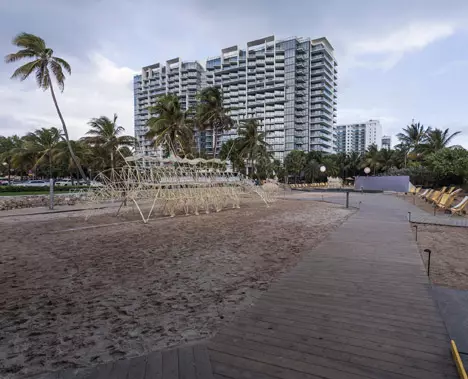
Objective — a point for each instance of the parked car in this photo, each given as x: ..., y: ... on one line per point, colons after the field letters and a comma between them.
x: 33, y: 183
x: 3, y: 182
x: 64, y: 182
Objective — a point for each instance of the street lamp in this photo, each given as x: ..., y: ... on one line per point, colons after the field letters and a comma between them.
x: 323, y: 169
x: 367, y: 171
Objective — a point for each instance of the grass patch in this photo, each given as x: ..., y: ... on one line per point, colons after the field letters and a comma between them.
x: 24, y: 193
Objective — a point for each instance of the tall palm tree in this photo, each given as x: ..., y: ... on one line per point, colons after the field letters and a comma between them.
x: 386, y: 159
x: 252, y: 145
x: 353, y: 162
x: 45, y: 67
x: 106, y: 133
x: 212, y: 115
x: 43, y: 143
x: 170, y: 126
x: 372, y: 158
x: 411, y: 137
x: 436, y: 139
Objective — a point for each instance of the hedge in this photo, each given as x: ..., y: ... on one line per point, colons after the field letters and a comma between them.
x: 40, y: 189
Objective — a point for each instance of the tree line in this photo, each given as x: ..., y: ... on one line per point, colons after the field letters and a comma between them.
x: 45, y: 151
x: 423, y: 153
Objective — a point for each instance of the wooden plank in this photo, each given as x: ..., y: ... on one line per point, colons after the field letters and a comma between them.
x: 309, y: 364
x: 100, y: 372
x: 369, y: 358
x: 120, y: 369
x: 224, y: 370
x: 186, y: 363
x: 154, y: 366
x: 202, y: 362
x: 343, y: 337
x: 170, y: 364
x: 137, y: 368
x: 326, y: 325
x: 233, y: 363
x: 347, y: 318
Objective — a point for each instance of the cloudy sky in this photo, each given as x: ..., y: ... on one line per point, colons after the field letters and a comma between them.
x: 398, y: 59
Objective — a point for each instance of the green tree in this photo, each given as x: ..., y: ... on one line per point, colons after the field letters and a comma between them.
x: 43, y: 144
x: 8, y: 147
x: 170, y: 126
x: 353, y: 163
x: 294, y: 163
x: 436, y: 139
x: 106, y: 134
x: 386, y: 159
x: 212, y: 115
x: 449, y: 163
x: 230, y: 150
x: 252, y: 145
x: 411, y: 137
x: 45, y: 67
x: 372, y: 158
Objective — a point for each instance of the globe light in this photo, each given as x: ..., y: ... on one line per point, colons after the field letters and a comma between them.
x: 367, y: 170
x: 323, y: 169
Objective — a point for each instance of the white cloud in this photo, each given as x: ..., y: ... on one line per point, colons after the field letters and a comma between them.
x: 96, y: 87
x: 385, y: 51
x: 451, y: 66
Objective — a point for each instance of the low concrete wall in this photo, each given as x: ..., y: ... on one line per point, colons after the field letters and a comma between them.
x: 33, y: 201
x: 382, y: 183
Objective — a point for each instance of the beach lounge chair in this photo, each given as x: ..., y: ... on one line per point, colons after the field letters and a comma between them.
x: 434, y: 196
x: 451, y: 189
x: 460, y: 207
x: 447, y: 199
x: 424, y: 193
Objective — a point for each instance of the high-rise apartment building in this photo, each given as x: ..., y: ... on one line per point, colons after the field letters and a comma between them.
x: 386, y: 142
x: 184, y: 79
x: 289, y: 86
x: 358, y: 137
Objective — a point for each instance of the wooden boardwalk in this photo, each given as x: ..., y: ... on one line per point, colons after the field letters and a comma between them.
x: 358, y: 306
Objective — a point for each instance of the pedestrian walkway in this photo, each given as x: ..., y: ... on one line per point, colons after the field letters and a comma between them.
x: 358, y: 306
x: 420, y: 216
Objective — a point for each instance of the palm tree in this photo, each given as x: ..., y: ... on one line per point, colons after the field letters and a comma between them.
x: 252, y: 145
x: 212, y: 115
x: 8, y: 148
x: 411, y: 137
x: 230, y: 150
x: 372, y: 158
x: 169, y: 127
x: 106, y: 133
x: 43, y: 143
x: 89, y: 156
x: 386, y: 159
x: 436, y: 139
x: 353, y: 162
x: 46, y: 67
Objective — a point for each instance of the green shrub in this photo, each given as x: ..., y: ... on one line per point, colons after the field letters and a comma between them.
x: 39, y: 189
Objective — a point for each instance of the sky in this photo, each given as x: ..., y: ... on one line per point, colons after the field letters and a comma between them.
x: 399, y: 60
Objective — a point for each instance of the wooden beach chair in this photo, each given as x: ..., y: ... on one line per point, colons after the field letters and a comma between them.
x: 449, y: 199
x: 434, y: 196
x: 460, y: 207
x: 424, y: 193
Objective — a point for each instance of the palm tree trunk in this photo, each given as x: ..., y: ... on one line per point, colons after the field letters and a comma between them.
x: 50, y: 165
x: 65, y: 131
x: 9, y: 171
x: 214, y: 142
x: 112, y: 160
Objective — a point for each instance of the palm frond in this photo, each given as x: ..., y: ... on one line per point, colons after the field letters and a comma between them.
x: 29, y: 41
x: 63, y: 63
x: 23, y: 72
x: 56, y: 69
x: 21, y: 54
